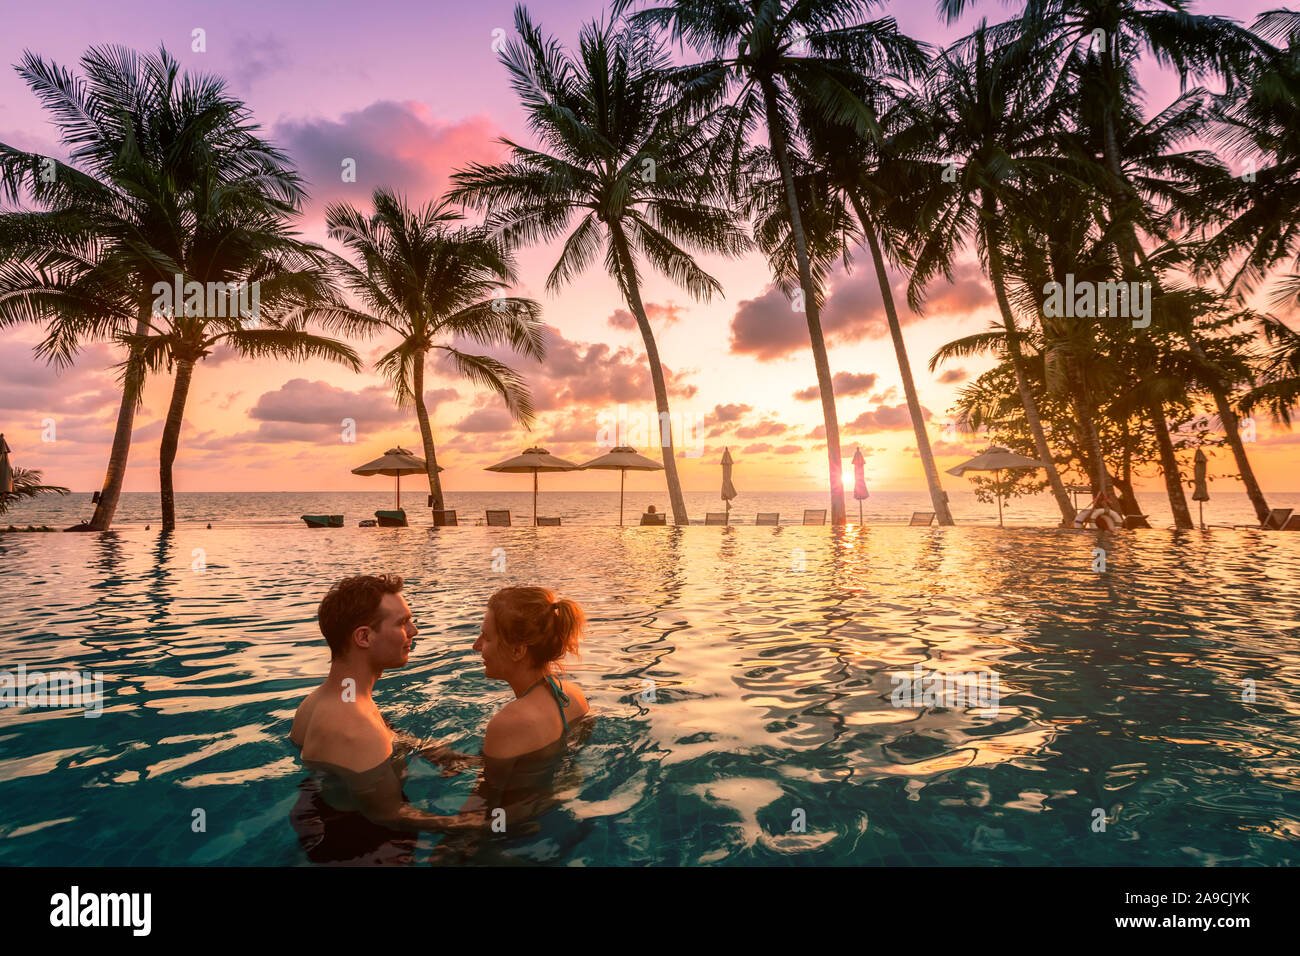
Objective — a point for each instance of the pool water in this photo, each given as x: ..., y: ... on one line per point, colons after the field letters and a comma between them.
x: 740, y: 677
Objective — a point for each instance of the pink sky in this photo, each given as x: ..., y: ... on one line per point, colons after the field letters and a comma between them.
x: 411, y: 92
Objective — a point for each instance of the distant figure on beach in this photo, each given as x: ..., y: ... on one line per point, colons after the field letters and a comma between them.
x: 650, y: 509
x: 1104, y: 513
x: 352, y: 809
x: 526, y: 634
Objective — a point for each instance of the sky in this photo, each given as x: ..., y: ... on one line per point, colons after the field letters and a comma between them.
x: 411, y: 92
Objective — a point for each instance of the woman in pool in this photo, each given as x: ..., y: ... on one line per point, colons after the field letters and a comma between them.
x: 526, y: 634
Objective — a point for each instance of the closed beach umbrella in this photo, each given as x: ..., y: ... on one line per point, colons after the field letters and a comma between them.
x: 535, y: 460
x: 1202, y: 492
x: 396, y: 462
x: 859, y: 480
x: 728, y: 489
x: 622, y: 459
x: 996, y: 459
x: 6, y: 470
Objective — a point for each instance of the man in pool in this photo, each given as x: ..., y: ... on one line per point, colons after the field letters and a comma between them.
x: 353, y: 809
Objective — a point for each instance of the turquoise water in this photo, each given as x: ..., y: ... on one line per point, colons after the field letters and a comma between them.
x: 770, y: 652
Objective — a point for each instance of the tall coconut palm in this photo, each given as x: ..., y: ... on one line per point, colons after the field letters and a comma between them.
x: 1135, y: 155
x: 853, y: 181
x: 775, y: 60
x: 435, y: 282
x: 1001, y: 120
x: 142, y: 137
x: 613, y: 152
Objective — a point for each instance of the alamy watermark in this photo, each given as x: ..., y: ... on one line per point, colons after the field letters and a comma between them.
x: 1086, y: 300
x: 241, y: 300
x: 53, y: 689
x: 636, y: 429
x: 924, y: 688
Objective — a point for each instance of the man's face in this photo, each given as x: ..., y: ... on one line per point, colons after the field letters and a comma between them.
x: 388, y: 643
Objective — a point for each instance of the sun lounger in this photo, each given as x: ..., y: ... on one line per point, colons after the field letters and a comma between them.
x: 323, y: 521
x: 922, y: 519
x: 442, y: 519
x: 498, y: 519
x: 548, y: 522
x: 654, y: 519
x: 715, y: 517
x: 1292, y: 523
x: 768, y: 517
x: 1136, y: 521
x: 368, y: 523
x: 391, y: 519
x: 814, y: 516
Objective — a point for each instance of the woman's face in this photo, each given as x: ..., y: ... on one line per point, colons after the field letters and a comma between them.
x: 499, y: 660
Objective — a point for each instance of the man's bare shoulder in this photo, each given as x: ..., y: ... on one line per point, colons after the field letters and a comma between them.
x: 343, y: 733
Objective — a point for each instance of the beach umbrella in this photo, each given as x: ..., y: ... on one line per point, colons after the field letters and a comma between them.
x: 535, y: 460
x: 6, y: 470
x: 995, y: 459
x: 728, y: 489
x: 396, y: 462
x: 859, y: 480
x: 1202, y: 493
x: 623, y: 459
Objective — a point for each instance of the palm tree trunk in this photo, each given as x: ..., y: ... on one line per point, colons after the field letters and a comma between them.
x: 171, y: 437
x: 1079, y: 399
x: 1169, y: 465
x: 624, y: 252
x: 938, y: 498
x: 997, y: 274
x: 426, y: 431
x: 131, y: 389
x: 776, y: 135
x: 1232, y: 429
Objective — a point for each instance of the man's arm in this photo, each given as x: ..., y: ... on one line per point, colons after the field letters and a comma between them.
x: 453, y: 761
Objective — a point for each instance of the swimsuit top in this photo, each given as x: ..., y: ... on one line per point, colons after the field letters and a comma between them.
x: 561, y: 698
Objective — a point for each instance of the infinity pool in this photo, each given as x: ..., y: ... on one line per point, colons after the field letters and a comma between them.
x: 742, y: 678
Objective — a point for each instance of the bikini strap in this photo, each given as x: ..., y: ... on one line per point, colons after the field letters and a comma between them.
x: 561, y: 698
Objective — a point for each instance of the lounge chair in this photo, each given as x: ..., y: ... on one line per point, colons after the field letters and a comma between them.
x: 391, y: 519
x: 768, y: 517
x: 1292, y: 523
x: 659, y: 518
x: 367, y: 523
x: 814, y: 516
x: 323, y: 521
x: 498, y: 519
x: 922, y: 519
x: 1136, y: 521
x: 548, y: 522
x: 442, y: 519
x: 715, y: 517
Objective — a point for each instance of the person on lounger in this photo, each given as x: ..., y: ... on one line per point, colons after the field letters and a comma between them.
x: 352, y: 809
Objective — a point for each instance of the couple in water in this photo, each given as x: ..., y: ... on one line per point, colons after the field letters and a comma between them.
x: 352, y: 808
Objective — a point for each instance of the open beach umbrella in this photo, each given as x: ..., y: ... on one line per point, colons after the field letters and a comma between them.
x: 1202, y: 493
x: 6, y: 470
x: 396, y: 462
x: 535, y: 460
x: 728, y: 489
x: 995, y: 459
x: 859, y: 480
x: 623, y: 459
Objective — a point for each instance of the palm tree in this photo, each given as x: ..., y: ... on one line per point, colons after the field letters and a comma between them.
x: 614, y: 152
x: 782, y: 59
x: 1001, y: 121
x: 849, y: 187
x: 142, y: 138
x: 27, y: 484
x: 425, y: 277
